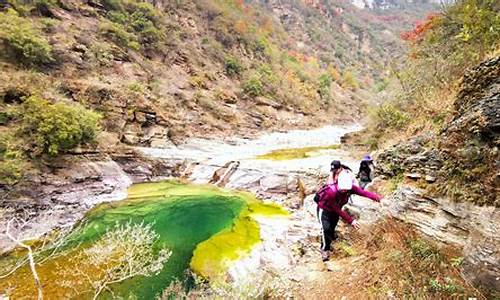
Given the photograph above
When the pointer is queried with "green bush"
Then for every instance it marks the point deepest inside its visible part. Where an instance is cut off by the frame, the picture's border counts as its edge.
(24, 40)
(55, 128)
(325, 82)
(141, 12)
(253, 87)
(112, 4)
(43, 6)
(137, 23)
(388, 116)
(117, 17)
(118, 34)
(448, 286)
(422, 249)
(232, 66)
(11, 161)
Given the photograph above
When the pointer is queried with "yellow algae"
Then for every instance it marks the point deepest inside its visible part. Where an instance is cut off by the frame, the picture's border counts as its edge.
(174, 188)
(271, 210)
(184, 215)
(296, 153)
(212, 257)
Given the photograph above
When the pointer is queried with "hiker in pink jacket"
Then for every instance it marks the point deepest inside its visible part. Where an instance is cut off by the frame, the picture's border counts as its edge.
(331, 198)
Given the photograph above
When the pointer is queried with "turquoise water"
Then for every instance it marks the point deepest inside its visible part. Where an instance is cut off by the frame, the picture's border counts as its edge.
(182, 218)
(182, 215)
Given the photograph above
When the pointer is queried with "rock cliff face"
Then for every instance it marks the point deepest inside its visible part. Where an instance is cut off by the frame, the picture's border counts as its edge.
(455, 171)
(463, 158)
(476, 229)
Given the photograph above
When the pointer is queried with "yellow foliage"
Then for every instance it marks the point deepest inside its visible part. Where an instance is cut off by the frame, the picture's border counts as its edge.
(268, 26)
(334, 73)
(241, 27)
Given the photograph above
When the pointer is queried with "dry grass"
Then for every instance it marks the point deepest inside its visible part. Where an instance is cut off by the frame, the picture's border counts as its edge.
(392, 260)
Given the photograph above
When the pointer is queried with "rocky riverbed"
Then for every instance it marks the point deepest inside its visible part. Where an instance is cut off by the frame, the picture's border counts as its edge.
(288, 244)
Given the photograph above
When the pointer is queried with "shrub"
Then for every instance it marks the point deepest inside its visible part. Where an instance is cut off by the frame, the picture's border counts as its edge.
(101, 53)
(24, 40)
(334, 73)
(349, 81)
(199, 80)
(11, 161)
(388, 116)
(55, 128)
(118, 34)
(232, 66)
(253, 87)
(43, 6)
(448, 286)
(112, 4)
(422, 249)
(117, 17)
(137, 22)
(325, 81)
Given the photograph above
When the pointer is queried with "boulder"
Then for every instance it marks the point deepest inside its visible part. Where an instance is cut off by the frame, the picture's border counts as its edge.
(108, 140)
(131, 133)
(280, 184)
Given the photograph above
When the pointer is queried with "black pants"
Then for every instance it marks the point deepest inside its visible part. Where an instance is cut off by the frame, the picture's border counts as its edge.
(364, 183)
(328, 221)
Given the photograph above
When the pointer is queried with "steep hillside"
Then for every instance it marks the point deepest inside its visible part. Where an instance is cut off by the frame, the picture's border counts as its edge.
(153, 72)
(356, 42)
(443, 105)
(101, 74)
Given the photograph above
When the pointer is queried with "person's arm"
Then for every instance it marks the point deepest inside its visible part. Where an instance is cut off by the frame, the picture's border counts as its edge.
(344, 215)
(332, 194)
(364, 193)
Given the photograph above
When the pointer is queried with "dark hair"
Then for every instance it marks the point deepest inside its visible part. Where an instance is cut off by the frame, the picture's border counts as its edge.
(346, 167)
(335, 165)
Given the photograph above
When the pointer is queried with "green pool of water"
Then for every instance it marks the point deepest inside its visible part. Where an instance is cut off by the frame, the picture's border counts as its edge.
(296, 153)
(184, 216)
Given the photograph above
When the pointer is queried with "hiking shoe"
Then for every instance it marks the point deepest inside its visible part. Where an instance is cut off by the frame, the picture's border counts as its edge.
(324, 255)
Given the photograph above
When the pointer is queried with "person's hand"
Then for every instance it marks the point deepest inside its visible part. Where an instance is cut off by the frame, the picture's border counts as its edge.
(379, 198)
(355, 224)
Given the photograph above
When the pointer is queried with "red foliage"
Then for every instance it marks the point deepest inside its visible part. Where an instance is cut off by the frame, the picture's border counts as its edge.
(420, 29)
(300, 57)
(240, 3)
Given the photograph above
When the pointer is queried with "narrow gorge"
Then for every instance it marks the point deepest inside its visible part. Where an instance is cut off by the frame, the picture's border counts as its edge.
(173, 149)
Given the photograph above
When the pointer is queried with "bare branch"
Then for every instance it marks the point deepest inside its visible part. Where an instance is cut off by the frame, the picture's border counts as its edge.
(30, 253)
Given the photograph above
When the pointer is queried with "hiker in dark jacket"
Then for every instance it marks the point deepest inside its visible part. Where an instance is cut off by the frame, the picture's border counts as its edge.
(331, 200)
(365, 171)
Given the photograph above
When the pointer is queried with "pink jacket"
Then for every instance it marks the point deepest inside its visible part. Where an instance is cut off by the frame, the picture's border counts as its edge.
(333, 200)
